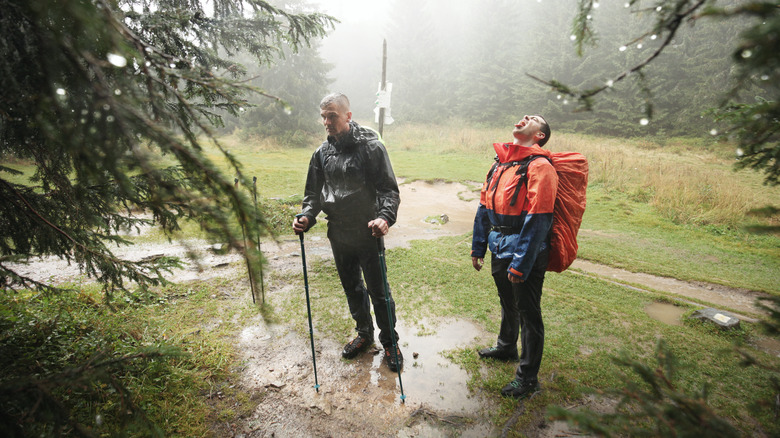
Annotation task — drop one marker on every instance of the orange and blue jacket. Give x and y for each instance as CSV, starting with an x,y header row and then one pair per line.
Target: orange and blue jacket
x,y
519,229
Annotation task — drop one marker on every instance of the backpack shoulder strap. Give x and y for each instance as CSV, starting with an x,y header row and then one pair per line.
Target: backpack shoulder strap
x,y
492,170
522,171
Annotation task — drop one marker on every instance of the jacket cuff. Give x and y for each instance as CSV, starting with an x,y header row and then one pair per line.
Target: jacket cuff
x,y
389,222
312,221
516,273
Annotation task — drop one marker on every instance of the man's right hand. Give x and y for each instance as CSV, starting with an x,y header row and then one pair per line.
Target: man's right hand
x,y
477,262
300,224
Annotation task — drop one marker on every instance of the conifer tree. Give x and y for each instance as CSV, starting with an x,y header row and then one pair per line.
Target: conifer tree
x,y
415,61
300,78
96,95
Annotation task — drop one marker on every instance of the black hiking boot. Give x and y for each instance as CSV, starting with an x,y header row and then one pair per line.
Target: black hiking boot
x,y
499,354
391,360
520,388
355,346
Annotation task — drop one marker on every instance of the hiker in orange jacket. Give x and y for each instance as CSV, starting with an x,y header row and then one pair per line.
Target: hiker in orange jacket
x,y
513,220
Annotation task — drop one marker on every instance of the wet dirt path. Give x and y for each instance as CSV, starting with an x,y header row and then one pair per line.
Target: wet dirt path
x,y
359,397
742,301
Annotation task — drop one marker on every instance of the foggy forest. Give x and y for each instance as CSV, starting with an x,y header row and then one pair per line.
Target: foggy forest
x,y
481,62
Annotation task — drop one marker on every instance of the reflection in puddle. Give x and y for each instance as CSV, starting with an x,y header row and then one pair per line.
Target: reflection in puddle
x,y
665,312
430,379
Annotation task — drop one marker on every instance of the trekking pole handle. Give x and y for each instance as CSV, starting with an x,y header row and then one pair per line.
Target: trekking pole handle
x,y
298,216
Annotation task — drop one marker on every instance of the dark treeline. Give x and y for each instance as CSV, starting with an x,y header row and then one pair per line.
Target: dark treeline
x,y
473,62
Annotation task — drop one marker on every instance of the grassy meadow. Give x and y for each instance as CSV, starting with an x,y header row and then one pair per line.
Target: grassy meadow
x,y
674,208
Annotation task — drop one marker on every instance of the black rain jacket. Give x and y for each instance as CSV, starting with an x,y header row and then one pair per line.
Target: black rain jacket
x,y
351,181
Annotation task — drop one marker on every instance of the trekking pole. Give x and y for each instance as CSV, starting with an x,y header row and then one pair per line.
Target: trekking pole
x,y
308,309
254,195
381,247
246,257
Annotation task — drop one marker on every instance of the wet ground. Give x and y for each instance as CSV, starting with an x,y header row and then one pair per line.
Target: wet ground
x,y
741,301
361,397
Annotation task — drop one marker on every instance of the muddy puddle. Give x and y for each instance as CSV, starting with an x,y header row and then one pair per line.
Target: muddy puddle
x,y
665,312
361,397
430,378
449,212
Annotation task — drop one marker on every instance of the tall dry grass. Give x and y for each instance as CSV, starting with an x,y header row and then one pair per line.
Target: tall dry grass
x,y
687,185
687,181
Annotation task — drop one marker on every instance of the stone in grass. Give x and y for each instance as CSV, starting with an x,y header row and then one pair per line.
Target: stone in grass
x,y
437,220
720,318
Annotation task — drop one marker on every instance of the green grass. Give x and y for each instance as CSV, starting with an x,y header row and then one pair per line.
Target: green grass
x,y
623,233
193,326
280,172
422,165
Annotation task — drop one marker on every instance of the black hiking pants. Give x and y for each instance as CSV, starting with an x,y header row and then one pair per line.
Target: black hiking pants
x,y
356,255
521,313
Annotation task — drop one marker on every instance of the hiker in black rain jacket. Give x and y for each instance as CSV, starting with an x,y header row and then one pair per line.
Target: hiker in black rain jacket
x,y
351,180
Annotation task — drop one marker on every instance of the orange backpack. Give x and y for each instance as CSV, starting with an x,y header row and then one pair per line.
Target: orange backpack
x,y
572,170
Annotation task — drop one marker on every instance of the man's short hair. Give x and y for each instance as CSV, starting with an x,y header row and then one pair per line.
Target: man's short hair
x,y
338,98
545,129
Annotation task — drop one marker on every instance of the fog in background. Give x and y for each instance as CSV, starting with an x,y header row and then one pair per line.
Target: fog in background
x,y
354,49
469,61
